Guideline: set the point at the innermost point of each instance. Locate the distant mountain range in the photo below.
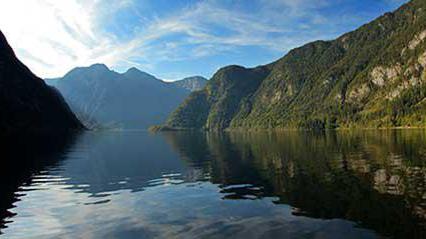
(131, 100)
(372, 77)
(27, 104)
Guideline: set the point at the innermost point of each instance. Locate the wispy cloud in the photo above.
(54, 36)
(64, 34)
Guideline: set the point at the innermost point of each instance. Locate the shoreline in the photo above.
(169, 129)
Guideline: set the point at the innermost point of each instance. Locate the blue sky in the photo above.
(173, 39)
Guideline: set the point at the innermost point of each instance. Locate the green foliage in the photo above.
(192, 113)
(324, 84)
(406, 110)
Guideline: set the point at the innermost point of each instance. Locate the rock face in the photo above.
(417, 40)
(380, 75)
(193, 83)
(26, 102)
(131, 100)
(371, 77)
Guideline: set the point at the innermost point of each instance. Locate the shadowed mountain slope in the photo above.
(26, 102)
(131, 100)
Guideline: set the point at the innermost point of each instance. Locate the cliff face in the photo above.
(371, 77)
(26, 102)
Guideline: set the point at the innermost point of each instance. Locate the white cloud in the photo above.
(52, 36)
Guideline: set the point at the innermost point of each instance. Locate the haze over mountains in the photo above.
(372, 77)
(131, 100)
(27, 104)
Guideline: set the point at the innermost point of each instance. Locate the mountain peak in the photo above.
(133, 69)
(99, 66)
(135, 73)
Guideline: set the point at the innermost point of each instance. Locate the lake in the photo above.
(336, 184)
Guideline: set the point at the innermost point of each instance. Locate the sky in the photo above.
(173, 39)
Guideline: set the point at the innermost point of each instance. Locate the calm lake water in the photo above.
(363, 184)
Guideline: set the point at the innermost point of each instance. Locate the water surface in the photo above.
(364, 184)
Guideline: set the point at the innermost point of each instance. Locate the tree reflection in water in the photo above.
(375, 178)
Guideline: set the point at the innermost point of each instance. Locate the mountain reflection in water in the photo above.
(352, 184)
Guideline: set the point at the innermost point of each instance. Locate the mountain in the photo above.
(193, 83)
(372, 77)
(130, 100)
(26, 102)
